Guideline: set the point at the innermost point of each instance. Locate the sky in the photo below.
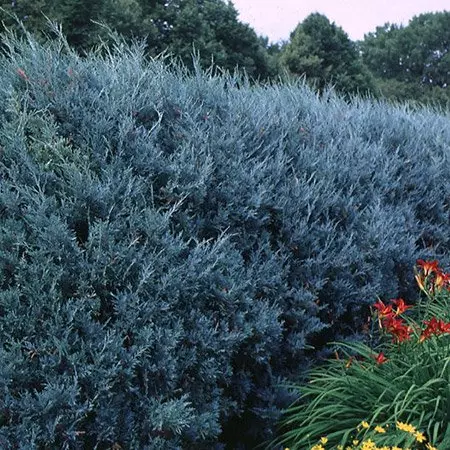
(277, 18)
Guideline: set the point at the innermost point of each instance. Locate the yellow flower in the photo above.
(355, 442)
(318, 447)
(430, 447)
(365, 424)
(340, 447)
(368, 445)
(420, 437)
(396, 448)
(406, 427)
(323, 440)
(379, 429)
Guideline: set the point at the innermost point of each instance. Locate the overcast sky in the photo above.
(277, 18)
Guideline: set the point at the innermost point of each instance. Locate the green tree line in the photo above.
(401, 63)
(211, 27)
(411, 62)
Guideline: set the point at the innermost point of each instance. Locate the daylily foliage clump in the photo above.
(389, 395)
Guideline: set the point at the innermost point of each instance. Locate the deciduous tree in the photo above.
(323, 52)
(412, 61)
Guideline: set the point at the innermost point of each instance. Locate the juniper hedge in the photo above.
(172, 245)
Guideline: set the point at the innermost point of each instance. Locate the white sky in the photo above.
(278, 18)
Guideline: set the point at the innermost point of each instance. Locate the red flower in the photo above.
(428, 267)
(401, 334)
(432, 272)
(383, 310)
(441, 280)
(401, 306)
(397, 327)
(388, 311)
(434, 326)
(380, 358)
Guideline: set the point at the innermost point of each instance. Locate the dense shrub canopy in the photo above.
(171, 244)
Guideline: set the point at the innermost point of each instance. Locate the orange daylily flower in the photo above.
(434, 327)
(428, 267)
(441, 280)
(401, 306)
(383, 310)
(397, 327)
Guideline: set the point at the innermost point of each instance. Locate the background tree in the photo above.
(274, 54)
(413, 61)
(211, 27)
(323, 52)
(76, 17)
(28, 11)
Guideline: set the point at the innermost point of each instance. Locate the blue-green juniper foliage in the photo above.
(171, 244)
